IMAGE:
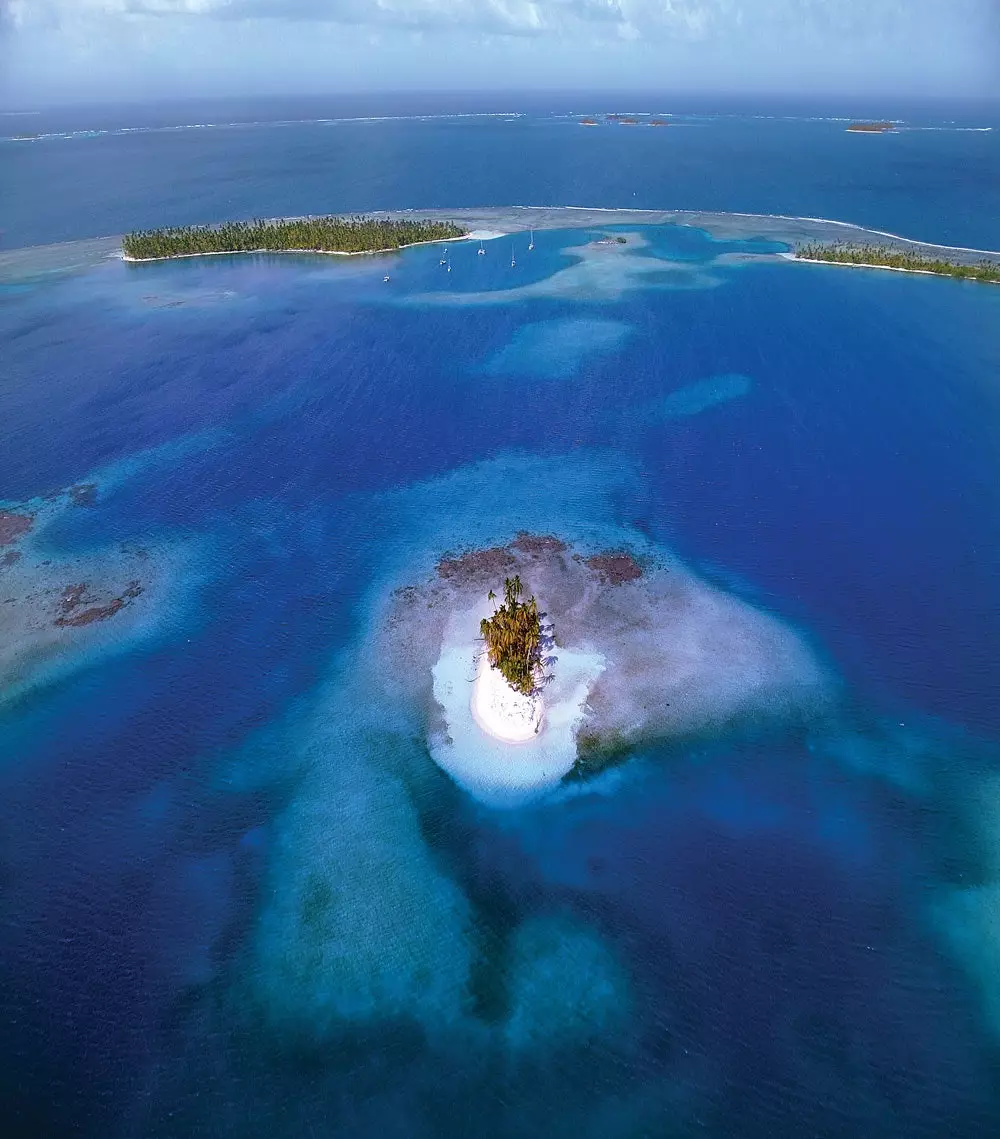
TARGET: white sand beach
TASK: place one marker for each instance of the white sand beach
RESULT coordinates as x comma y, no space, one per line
501,747
500,711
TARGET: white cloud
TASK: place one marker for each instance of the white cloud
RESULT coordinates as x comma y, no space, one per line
276,44
686,18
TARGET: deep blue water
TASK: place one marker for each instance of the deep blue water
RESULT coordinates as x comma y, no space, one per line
779,904
131,167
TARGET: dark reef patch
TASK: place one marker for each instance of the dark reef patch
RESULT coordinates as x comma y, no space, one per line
538,545
73,596
615,567
496,561
14,526
489,563
84,494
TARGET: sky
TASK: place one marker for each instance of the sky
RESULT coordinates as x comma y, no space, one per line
54,51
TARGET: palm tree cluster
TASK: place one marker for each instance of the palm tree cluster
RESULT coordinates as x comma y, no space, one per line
321,234
984,270
513,637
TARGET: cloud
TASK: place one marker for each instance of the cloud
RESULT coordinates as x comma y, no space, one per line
686,19
851,45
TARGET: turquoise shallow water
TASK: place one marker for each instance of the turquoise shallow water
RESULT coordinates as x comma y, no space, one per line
239,896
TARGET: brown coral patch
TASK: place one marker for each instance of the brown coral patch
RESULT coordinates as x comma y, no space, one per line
538,545
491,562
73,596
615,567
10,557
13,526
94,613
85,494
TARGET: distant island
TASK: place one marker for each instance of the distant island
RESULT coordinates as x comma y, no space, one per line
299,235
884,257
588,122
871,128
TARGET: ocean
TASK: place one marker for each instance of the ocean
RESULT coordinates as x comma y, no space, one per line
239,896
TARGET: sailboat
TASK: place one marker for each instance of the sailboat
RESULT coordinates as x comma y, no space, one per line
449,264
482,250
512,261
531,241
442,261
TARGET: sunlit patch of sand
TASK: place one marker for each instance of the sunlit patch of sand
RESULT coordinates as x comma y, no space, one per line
556,349
968,917
359,923
565,985
700,396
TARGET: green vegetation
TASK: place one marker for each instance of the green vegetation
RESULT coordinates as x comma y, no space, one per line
513,637
319,234
890,258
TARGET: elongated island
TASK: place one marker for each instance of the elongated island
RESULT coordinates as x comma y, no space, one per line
871,128
331,234
904,260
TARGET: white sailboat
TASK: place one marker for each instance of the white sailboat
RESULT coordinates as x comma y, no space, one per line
482,250
531,241
512,261
449,264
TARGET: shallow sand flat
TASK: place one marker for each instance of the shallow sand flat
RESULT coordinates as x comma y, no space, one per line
361,924
601,270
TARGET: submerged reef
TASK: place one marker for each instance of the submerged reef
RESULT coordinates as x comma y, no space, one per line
14,526
692,399
556,348
57,608
372,916
363,922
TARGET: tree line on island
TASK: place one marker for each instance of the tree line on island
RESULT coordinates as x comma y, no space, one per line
892,258
358,234
513,637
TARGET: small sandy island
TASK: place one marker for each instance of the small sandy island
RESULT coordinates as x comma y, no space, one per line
635,648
